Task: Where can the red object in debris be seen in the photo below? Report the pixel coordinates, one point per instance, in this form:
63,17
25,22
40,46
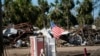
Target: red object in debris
85,52
40,45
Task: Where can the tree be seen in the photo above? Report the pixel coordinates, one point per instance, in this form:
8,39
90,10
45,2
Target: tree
62,13
19,11
56,14
97,22
85,17
1,37
84,13
43,10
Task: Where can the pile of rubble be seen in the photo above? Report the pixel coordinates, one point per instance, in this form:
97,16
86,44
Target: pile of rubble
12,33
83,36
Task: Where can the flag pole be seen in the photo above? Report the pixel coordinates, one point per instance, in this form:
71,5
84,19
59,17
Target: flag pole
1,37
55,42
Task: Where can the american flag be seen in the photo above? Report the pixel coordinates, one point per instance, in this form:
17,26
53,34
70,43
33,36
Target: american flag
56,31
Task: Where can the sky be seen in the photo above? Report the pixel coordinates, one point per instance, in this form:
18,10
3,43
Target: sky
35,1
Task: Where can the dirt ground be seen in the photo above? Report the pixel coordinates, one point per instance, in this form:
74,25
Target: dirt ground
61,51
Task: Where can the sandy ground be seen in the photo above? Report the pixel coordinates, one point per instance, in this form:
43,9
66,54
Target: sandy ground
78,48
60,50
76,51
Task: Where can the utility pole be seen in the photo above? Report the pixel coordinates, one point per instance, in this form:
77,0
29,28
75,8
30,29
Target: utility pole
1,37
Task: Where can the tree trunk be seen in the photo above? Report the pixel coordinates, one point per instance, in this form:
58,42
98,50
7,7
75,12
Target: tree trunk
1,37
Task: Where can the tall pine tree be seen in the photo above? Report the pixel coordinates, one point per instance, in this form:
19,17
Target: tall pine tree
84,16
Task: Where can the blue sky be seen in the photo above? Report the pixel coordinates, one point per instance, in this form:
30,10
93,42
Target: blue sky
35,1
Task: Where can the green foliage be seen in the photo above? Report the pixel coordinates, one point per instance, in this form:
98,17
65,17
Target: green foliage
43,5
42,18
67,4
84,13
56,15
86,7
97,22
62,14
18,11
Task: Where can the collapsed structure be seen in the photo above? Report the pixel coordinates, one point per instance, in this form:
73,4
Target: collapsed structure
80,36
